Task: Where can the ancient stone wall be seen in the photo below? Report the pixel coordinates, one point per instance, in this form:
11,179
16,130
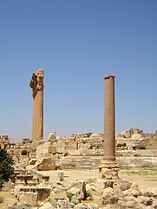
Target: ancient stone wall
85,150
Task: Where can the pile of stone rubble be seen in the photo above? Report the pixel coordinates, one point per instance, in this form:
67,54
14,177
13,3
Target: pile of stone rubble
92,193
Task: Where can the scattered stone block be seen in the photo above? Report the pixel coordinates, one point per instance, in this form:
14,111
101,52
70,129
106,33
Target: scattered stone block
46,164
19,206
30,198
81,187
46,206
109,196
61,176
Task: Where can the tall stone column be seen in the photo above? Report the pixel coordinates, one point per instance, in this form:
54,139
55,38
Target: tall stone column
109,168
37,85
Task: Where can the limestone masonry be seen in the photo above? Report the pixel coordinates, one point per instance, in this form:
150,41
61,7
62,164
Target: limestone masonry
134,148
33,159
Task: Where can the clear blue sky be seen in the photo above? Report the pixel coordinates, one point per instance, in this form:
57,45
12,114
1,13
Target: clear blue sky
78,42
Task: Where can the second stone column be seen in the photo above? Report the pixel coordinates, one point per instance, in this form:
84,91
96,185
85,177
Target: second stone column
109,168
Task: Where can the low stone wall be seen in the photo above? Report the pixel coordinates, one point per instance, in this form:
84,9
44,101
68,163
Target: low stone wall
93,162
80,162
137,162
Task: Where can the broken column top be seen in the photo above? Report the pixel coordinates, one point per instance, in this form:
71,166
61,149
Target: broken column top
109,76
36,82
40,72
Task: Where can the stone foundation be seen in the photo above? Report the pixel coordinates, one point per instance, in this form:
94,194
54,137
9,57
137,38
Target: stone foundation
109,170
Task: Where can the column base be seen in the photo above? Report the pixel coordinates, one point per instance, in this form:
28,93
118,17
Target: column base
109,170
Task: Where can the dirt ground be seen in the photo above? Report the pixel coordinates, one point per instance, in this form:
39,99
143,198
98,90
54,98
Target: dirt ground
8,200
145,178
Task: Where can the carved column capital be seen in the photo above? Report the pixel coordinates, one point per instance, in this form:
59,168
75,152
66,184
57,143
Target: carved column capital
36,82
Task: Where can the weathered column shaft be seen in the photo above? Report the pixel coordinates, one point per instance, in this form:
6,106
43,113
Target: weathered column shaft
109,168
37,131
37,86
39,114
109,119
34,120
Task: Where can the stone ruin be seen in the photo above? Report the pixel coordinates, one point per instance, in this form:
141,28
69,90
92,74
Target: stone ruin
4,141
104,152
80,151
85,151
